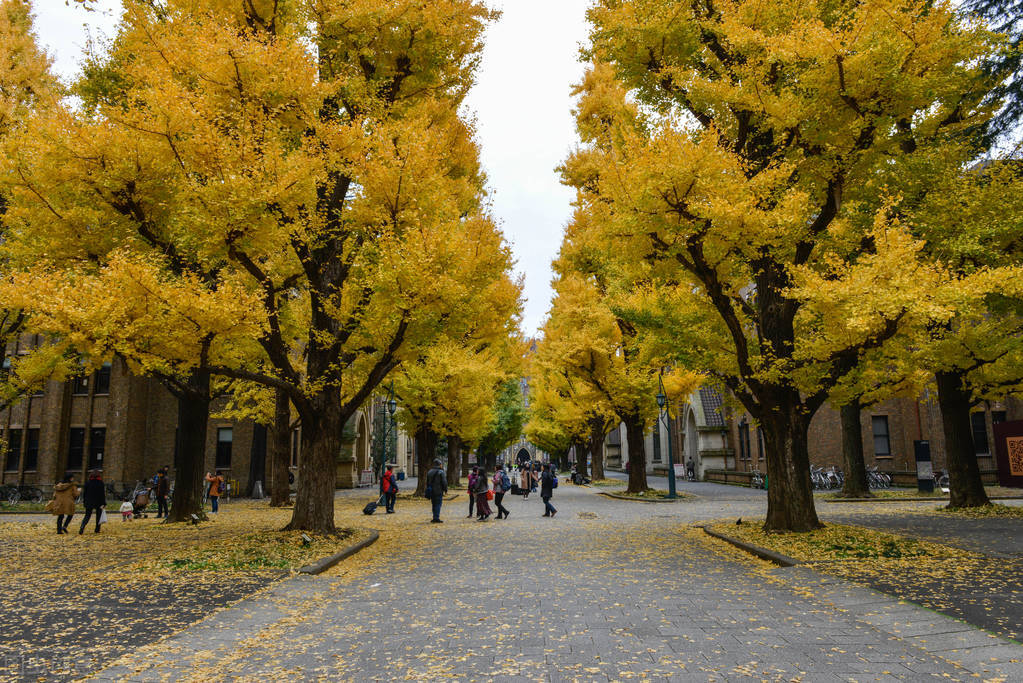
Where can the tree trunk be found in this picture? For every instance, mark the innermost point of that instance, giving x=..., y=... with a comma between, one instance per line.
x=563, y=463
x=634, y=433
x=465, y=462
x=790, y=504
x=193, y=418
x=317, y=468
x=856, y=484
x=597, y=434
x=280, y=451
x=257, y=459
x=426, y=450
x=454, y=461
x=967, y=488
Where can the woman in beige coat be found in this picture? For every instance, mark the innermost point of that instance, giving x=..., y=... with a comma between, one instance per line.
x=63, y=503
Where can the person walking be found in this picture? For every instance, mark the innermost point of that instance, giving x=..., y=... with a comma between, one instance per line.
x=502, y=484
x=63, y=503
x=525, y=480
x=483, y=511
x=216, y=488
x=389, y=488
x=162, y=491
x=548, y=482
x=94, y=498
x=471, y=489
x=436, y=487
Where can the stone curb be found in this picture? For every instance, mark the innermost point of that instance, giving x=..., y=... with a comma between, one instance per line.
x=322, y=565
x=762, y=553
x=640, y=500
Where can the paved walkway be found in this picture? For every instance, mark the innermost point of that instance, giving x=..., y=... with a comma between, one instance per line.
x=607, y=590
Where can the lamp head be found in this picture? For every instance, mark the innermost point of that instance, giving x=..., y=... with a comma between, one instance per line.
x=392, y=406
x=661, y=400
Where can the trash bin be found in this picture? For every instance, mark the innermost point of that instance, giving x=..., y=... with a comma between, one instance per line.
x=401, y=475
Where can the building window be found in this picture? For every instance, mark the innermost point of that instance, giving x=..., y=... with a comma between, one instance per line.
x=32, y=450
x=882, y=440
x=997, y=417
x=296, y=445
x=979, y=423
x=760, y=444
x=744, y=450
x=80, y=385
x=102, y=378
x=13, y=450
x=225, y=435
x=614, y=437
x=76, y=449
x=657, y=440
x=5, y=368
x=97, y=445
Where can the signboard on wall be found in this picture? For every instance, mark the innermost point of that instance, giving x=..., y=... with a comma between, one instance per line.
x=1009, y=453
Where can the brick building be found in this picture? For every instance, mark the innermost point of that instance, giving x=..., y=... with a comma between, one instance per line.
x=125, y=425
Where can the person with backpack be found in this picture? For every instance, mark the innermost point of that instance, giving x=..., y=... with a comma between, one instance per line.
x=389, y=488
x=471, y=490
x=216, y=488
x=502, y=484
x=436, y=487
x=525, y=480
x=483, y=511
x=548, y=482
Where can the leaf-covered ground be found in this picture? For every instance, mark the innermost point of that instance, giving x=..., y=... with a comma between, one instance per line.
x=71, y=603
x=970, y=569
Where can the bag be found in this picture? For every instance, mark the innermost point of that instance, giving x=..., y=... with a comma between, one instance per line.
x=554, y=481
x=103, y=516
x=372, y=506
x=490, y=494
x=51, y=507
x=505, y=483
x=429, y=492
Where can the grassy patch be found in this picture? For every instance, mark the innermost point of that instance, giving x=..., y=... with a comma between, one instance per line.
x=608, y=483
x=834, y=542
x=994, y=510
x=649, y=494
x=258, y=552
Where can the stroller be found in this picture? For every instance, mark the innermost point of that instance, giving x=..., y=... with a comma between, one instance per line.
x=140, y=500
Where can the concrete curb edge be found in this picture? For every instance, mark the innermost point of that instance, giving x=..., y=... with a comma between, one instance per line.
x=762, y=553
x=641, y=500
x=322, y=565
x=907, y=499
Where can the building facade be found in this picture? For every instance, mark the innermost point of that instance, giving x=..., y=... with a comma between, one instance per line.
x=126, y=426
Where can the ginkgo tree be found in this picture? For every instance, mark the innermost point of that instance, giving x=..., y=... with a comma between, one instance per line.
x=734, y=147
x=310, y=153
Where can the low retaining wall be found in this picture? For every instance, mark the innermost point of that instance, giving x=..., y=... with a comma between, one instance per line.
x=727, y=477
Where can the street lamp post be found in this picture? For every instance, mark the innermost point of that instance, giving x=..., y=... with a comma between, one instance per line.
x=662, y=404
x=392, y=406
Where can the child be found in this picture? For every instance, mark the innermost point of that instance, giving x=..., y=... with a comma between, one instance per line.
x=126, y=512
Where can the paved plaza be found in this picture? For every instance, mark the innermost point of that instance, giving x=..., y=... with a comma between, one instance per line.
x=606, y=590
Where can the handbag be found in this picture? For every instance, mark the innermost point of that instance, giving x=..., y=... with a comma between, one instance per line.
x=490, y=494
x=103, y=516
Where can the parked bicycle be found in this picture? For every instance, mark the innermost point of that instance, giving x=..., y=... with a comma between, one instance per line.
x=757, y=480
x=14, y=494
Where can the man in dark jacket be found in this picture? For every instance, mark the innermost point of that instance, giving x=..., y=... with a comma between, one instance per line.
x=436, y=487
x=162, y=490
x=547, y=491
x=94, y=498
x=389, y=488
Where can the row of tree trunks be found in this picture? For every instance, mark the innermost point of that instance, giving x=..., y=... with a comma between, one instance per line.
x=856, y=484
x=965, y=483
x=426, y=451
x=635, y=431
x=280, y=451
x=596, y=444
x=454, y=461
x=193, y=417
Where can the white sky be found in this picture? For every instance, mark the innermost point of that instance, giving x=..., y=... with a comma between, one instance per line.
x=522, y=106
